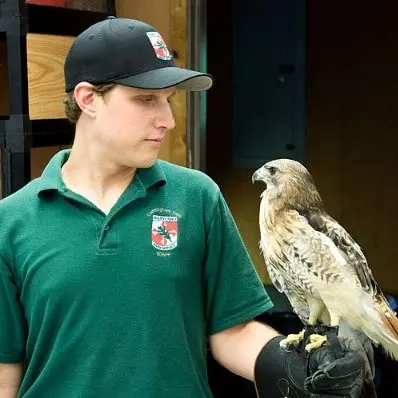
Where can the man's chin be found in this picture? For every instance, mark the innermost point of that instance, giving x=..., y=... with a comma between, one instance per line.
x=146, y=164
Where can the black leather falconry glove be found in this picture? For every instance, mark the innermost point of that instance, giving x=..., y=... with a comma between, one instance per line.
x=327, y=372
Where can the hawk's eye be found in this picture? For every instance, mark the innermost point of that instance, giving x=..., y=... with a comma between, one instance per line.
x=272, y=170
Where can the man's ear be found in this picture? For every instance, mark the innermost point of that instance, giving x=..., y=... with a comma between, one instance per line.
x=85, y=98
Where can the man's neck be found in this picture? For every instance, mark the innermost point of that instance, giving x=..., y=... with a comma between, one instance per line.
x=100, y=181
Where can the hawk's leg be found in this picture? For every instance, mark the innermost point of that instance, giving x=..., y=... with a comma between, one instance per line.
x=334, y=320
x=316, y=307
x=318, y=340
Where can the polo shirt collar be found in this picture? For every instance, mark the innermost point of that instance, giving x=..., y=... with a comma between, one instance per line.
x=153, y=175
x=51, y=178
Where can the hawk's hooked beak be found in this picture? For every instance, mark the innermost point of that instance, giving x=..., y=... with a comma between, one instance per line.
x=255, y=176
x=258, y=175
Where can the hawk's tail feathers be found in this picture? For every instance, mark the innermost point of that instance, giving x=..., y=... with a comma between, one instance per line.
x=378, y=326
x=361, y=312
x=371, y=319
x=390, y=321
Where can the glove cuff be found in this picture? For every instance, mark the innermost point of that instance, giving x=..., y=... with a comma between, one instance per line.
x=268, y=355
x=271, y=372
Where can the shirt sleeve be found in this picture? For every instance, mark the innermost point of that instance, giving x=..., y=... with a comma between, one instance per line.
x=234, y=291
x=12, y=320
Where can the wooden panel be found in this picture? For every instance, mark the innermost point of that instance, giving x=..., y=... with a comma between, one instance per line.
x=169, y=18
x=178, y=39
x=39, y=158
x=153, y=12
x=46, y=54
x=4, y=94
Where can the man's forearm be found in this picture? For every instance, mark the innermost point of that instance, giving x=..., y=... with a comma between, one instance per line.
x=9, y=392
x=237, y=348
x=10, y=379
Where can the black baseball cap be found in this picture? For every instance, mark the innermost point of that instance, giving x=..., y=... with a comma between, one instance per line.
x=127, y=52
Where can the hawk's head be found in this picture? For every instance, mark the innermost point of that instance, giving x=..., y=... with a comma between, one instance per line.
x=288, y=181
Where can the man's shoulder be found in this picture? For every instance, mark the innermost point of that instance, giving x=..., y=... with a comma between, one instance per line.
x=21, y=199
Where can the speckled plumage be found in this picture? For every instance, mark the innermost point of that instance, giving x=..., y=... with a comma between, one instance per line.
x=313, y=260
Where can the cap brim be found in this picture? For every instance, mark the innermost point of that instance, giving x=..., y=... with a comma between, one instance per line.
x=168, y=77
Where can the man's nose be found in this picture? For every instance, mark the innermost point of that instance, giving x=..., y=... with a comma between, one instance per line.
x=166, y=119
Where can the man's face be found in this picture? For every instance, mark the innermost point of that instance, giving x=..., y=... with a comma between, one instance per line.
x=131, y=124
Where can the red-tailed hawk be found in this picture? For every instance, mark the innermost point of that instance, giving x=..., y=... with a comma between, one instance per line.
x=313, y=260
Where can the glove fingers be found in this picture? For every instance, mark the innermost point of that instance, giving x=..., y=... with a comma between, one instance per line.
x=342, y=378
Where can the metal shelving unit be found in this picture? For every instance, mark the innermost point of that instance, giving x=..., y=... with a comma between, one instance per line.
x=18, y=133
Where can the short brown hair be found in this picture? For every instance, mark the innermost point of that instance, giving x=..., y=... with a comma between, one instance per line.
x=73, y=110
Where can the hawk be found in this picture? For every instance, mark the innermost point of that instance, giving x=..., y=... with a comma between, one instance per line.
x=316, y=263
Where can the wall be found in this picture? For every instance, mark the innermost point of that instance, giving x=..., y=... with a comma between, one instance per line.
x=242, y=196
x=352, y=124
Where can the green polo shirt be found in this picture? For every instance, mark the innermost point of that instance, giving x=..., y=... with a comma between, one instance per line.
x=120, y=305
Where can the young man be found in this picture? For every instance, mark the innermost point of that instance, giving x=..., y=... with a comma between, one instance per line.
x=117, y=270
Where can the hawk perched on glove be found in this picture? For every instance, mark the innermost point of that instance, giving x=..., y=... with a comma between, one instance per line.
x=313, y=260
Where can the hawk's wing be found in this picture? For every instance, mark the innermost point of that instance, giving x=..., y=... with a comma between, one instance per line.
x=299, y=254
x=349, y=249
x=312, y=264
x=375, y=317
x=296, y=297
x=276, y=278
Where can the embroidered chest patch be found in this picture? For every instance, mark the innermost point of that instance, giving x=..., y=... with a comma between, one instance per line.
x=164, y=232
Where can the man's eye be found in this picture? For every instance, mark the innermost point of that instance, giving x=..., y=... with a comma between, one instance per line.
x=147, y=99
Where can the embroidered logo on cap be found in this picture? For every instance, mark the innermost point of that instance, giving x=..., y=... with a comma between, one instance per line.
x=158, y=44
x=164, y=232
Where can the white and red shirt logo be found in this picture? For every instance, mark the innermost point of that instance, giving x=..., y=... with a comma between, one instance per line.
x=158, y=44
x=164, y=232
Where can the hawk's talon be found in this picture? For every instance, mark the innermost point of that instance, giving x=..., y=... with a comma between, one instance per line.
x=292, y=340
x=316, y=341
